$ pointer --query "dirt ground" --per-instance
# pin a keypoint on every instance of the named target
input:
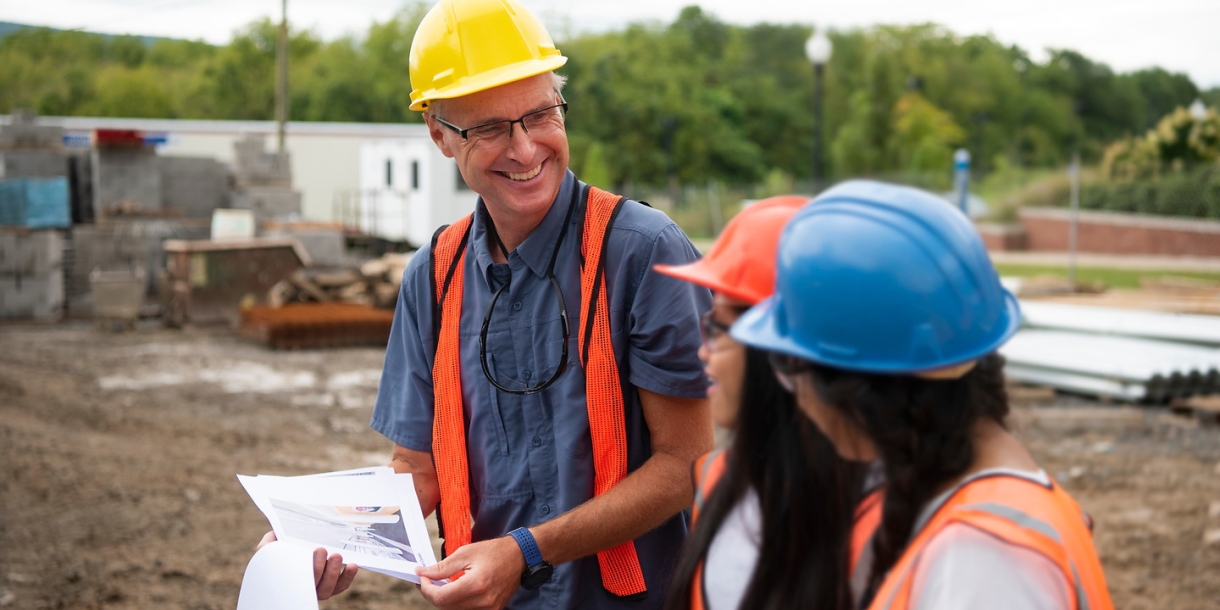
(118, 454)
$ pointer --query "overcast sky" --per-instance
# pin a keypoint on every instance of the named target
(1179, 35)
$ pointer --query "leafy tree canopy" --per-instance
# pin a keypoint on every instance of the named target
(694, 100)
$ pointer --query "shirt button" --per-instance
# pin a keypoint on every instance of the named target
(517, 306)
(526, 373)
(537, 442)
(546, 509)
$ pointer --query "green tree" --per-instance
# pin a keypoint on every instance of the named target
(122, 92)
(924, 136)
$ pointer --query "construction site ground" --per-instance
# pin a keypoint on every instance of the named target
(118, 456)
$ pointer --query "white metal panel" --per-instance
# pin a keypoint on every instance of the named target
(1188, 328)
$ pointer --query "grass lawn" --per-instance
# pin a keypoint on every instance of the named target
(1114, 278)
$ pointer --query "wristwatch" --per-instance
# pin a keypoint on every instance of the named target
(537, 572)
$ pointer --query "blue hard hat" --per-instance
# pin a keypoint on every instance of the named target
(885, 279)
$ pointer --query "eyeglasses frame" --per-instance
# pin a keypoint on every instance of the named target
(563, 316)
(562, 105)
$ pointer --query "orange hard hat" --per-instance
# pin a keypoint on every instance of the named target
(741, 264)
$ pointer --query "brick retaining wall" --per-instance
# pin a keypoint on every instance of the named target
(1115, 233)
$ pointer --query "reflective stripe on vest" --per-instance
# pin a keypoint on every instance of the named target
(620, 566)
(707, 470)
(1020, 512)
(864, 529)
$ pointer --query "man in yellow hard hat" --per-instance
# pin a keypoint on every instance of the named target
(541, 381)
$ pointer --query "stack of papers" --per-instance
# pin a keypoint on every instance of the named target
(370, 516)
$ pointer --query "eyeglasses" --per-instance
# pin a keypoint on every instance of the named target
(563, 360)
(498, 133)
(711, 329)
(563, 312)
(786, 368)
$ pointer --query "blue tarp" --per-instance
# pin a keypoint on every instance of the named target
(36, 203)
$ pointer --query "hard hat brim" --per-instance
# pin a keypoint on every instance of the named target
(762, 327)
(701, 274)
(488, 80)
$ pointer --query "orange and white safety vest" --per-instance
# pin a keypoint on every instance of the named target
(1014, 509)
(620, 566)
(708, 469)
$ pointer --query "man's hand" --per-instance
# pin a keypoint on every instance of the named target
(492, 573)
(330, 576)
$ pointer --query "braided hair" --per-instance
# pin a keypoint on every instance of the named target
(922, 431)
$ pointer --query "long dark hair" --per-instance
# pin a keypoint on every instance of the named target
(807, 496)
(922, 430)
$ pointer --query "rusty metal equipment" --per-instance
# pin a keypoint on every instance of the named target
(316, 325)
(212, 279)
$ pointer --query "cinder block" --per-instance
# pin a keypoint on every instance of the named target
(125, 178)
(37, 297)
(120, 246)
(326, 247)
(193, 185)
(33, 164)
(268, 202)
(254, 166)
(23, 131)
(31, 253)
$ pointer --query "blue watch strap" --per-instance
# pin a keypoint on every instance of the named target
(529, 548)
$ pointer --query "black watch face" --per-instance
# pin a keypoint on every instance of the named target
(537, 575)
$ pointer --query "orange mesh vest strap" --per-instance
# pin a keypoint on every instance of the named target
(449, 424)
(707, 471)
(1019, 512)
(620, 566)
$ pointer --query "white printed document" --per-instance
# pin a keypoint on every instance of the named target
(369, 516)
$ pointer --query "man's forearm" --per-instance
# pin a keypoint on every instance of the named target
(423, 472)
(643, 500)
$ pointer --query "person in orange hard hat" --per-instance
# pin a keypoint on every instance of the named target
(773, 510)
(541, 382)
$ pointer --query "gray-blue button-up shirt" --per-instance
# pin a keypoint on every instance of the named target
(530, 456)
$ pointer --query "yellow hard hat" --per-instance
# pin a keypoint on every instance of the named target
(466, 46)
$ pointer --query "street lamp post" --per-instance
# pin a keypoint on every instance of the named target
(817, 49)
(281, 77)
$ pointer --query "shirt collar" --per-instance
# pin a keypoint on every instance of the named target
(536, 250)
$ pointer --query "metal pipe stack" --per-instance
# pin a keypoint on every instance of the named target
(1129, 355)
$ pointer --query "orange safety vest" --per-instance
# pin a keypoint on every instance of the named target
(708, 469)
(1013, 509)
(620, 566)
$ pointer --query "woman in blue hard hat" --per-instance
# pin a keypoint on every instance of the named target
(773, 511)
(885, 321)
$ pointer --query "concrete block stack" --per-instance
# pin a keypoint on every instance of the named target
(193, 186)
(34, 207)
(122, 246)
(326, 245)
(32, 163)
(263, 181)
(24, 133)
(31, 274)
(125, 181)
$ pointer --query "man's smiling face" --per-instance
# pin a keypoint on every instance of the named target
(521, 177)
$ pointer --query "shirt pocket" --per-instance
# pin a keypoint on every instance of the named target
(496, 417)
(569, 409)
